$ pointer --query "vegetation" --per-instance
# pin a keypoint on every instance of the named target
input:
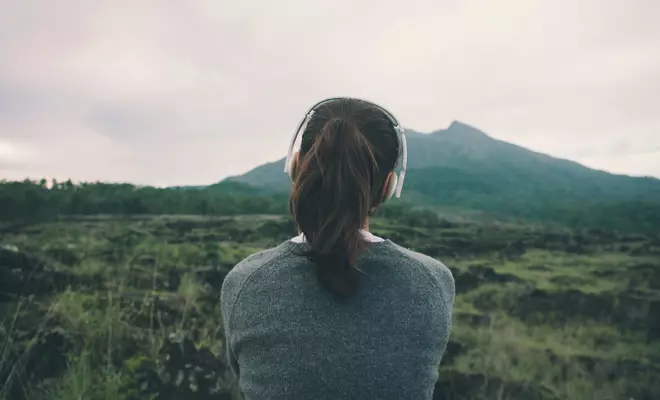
(126, 307)
(575, 203)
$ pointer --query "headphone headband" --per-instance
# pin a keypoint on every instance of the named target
(402, 159)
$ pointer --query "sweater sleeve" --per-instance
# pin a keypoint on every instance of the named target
(445, 282)
(231, 287)
(231, 359)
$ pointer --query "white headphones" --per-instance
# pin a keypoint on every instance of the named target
(395, 182)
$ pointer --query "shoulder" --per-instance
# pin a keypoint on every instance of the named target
(242, 273)
(438, 272)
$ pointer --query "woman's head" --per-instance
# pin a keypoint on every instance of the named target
(347, 156)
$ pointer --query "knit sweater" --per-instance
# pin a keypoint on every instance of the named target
(289, 338)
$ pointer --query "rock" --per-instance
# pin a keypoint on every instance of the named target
(623, 310)
(563, 280)
(146, 261)
(465, 281)
(173, 279)
(454, 385)
(47, 358)
(64, 255)
(473, 319)
(23, 275)
(489, 275)
(453, 350)
(184, 371)
(213, 276)
(478, 275)
(647, 272)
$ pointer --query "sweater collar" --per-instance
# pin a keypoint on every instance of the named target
(368, 236)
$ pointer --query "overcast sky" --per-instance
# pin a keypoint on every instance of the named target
(188, 92)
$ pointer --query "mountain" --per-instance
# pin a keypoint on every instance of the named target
(462, 167)
(268, 176)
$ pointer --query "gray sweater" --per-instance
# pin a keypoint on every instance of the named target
(288, 338)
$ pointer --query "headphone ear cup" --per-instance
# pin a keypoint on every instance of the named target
(292, 165)
(391, 187)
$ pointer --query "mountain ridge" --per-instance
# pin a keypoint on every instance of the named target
(465, 168)
(455, 134)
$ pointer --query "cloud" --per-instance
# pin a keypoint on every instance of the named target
(188, 92)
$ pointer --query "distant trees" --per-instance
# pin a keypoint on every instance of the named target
(35, 200)
(39, 200)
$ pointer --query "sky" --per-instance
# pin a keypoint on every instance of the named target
(183, 92)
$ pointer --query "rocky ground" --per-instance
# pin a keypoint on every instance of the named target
(101, 307)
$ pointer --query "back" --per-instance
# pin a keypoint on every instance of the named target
(288, 338)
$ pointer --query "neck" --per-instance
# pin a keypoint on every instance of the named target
(365, 226)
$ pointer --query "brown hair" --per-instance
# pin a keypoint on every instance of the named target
(348, 149)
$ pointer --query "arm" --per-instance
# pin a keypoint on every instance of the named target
(227, 301)
(231, 359)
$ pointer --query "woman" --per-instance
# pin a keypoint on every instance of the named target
(337, 312)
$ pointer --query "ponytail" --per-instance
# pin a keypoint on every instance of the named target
(330, 201)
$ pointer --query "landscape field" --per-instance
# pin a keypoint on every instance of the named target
(126, 307)
(111, 291)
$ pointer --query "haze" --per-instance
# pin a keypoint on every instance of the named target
(189, 92)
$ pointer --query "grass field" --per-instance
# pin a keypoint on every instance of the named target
(127, 308)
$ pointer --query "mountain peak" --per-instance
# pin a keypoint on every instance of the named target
(459, 132)
(465, 129)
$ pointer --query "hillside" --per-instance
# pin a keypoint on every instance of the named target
(464, 168)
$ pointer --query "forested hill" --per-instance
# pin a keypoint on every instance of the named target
(465, 169)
